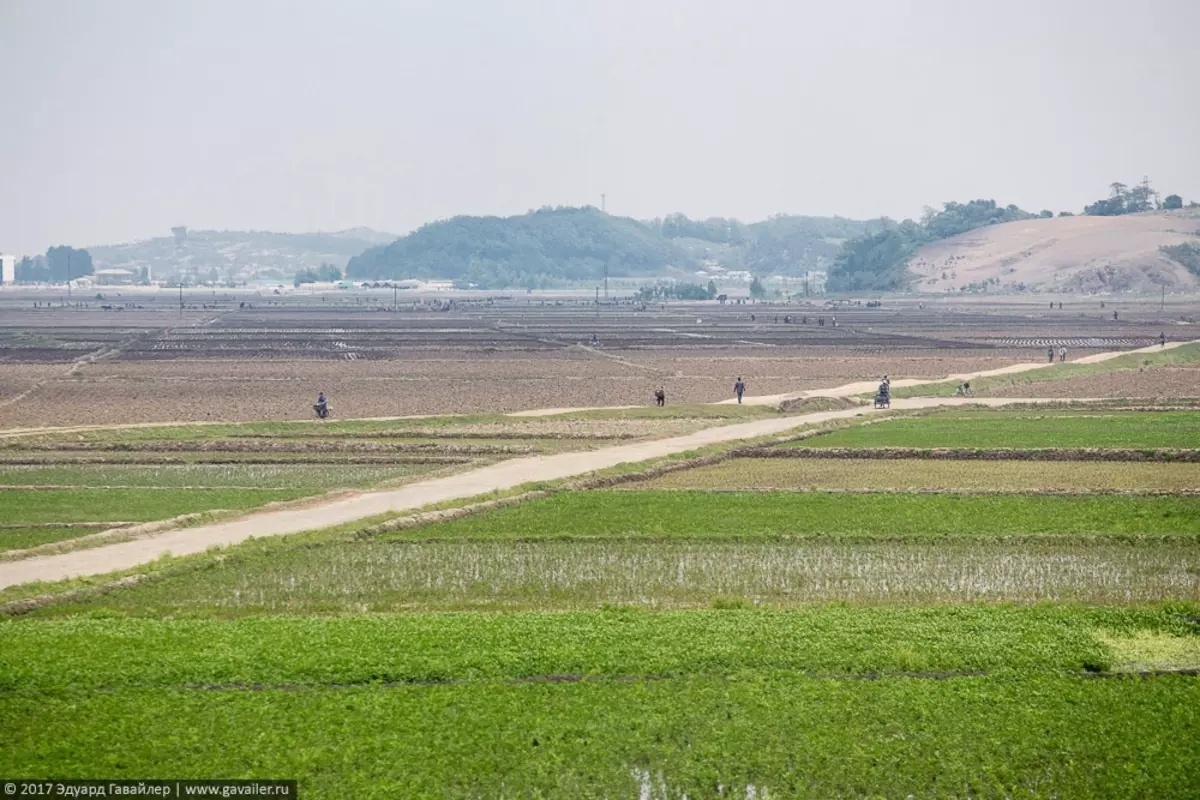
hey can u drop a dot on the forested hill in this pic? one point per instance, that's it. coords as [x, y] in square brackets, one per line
[780, 245]
[532, 250]
[550, 246]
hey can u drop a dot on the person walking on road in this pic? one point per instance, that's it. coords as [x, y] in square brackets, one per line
[1162, 339]
[1062, 354]
[739, 389]
[1050, 353]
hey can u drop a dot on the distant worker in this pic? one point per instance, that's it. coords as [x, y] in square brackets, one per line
[739, 389]
[1162, 339]
[321, 406]
[660, 397]
[964, 389]
[834, 321]
[1062, 354]
[1060, 306]
[1050, 353]
[1114, 315]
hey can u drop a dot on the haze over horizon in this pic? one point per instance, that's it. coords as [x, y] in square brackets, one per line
[124, 118]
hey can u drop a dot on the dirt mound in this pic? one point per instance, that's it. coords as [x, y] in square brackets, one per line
[1117, 254]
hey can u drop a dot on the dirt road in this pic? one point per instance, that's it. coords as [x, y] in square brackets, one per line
[505, 475]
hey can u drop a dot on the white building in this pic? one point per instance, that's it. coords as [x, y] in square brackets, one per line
[8, 269]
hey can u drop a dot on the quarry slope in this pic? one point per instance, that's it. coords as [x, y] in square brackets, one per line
[1118, 254]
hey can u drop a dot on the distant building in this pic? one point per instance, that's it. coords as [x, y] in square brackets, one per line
[180, 233]
[113, 277]
[8, 269]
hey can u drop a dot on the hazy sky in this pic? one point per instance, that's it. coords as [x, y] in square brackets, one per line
[121, 118]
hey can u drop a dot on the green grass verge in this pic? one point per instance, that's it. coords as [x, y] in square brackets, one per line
[750, 516]
[32, 536]
[35, 506]
[1023, 429]
[1186, 354]
[731, 411]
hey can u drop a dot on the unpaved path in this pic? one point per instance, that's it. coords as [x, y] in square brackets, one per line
[505, 475]
[863, 387]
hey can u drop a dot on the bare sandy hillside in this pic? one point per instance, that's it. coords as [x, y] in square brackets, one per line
[1117, 254]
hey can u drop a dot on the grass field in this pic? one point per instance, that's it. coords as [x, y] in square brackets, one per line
[657, 640]
[777, 736]
[316, 477]
[33, 506]
[377, 577]
[1015, 476]
[984, 429]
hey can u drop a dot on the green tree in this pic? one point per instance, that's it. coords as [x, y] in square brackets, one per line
[1046, 214]
[756, 288]
[1172, 202]
[67, 263]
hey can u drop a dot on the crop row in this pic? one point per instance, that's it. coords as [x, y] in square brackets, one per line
[379, 576]
[766, 516]
[931, 474]
[1023, 430]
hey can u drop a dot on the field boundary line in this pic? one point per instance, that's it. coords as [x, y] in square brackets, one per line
[928, 490]
[1158, 455]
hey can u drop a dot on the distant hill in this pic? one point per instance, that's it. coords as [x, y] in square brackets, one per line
[1083, 253]
[780, 245]
[240, 255]
[529, 251]
[550, 246]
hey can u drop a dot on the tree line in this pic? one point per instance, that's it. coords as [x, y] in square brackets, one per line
[59, 265]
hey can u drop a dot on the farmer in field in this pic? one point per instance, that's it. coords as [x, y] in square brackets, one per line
[964, 389]
[739, 389]
[1062, 353]
[321, 406]
[1050, 353]
[1162, 339]
[660, 396]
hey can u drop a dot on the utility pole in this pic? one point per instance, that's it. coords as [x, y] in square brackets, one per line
[597, 302]
[395, 298]
[1163, 303]
[68, 278]
[181, 295]
[606, 283]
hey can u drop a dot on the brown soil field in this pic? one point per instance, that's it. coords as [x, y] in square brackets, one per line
[268, 361]
[111, 392]
[1151, 382]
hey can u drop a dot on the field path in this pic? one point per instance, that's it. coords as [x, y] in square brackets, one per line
[504, 475]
